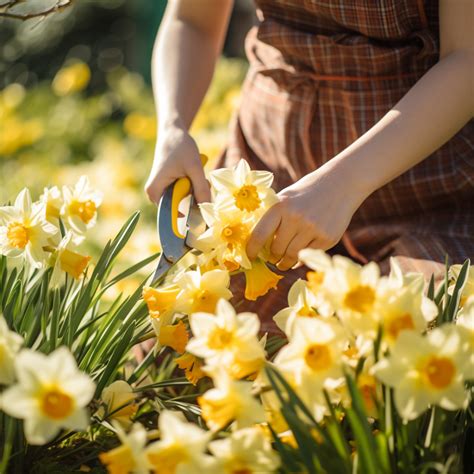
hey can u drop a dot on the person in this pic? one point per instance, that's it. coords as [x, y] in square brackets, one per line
[362, 110]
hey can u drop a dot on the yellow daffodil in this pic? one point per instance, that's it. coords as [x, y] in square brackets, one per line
[52, 201]
[79, 210]
[315, 349]
[201, 292]
[426, 370]
[301, 304]
[24, 232]
[243, 189]
[192, 367]
[227, 339]
[72, 78]
[226, 237]
[181, 448]
[245, 451]
[140, 126]
[129, 457]
[348, 288]
[160, 300]
[119, 401]
[65, 260]
[10, 343]
[230, 401]
[51, 393]
[399, 309]
[259, 280]
[175, 336]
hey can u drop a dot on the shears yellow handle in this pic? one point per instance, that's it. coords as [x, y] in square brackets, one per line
[181, 189]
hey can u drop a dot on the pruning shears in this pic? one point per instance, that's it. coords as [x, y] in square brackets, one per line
[174, 243]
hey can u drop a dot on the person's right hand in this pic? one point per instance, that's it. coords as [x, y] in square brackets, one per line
[176, 155]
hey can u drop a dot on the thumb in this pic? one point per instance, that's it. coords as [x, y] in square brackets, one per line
[201, 189]
[263, 231]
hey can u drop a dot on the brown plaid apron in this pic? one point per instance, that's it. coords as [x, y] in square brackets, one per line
[321, 74]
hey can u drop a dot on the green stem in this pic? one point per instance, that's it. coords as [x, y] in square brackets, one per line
[8, 444]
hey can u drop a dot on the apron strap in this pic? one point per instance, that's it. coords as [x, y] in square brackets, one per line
[421, 11]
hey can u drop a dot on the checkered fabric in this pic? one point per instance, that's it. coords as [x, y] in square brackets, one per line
[322, 72]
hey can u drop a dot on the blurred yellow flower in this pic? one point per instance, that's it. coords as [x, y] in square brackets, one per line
[51, 394]
[10, 343]
[426, 370]
[175, 336]
[16, 133]
[192, 367]
[70, 79]
[230, 400]
[181, 447]
[119, 399]
[140, 126]
[129, 457]
[245, 451]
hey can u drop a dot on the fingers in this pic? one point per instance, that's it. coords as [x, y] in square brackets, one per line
[201, 189]
[283, 236]
[300, 241]
[155, 188]
[263, 231]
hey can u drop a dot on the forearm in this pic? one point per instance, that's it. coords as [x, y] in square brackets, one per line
[438, 106]
[183, 63]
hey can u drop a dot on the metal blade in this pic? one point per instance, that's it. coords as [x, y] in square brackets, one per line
[195, 224]
[163, 266]
[173, 246]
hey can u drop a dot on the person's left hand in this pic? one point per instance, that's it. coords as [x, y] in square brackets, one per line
[314, 212]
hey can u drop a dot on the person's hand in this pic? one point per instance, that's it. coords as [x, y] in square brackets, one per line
[176, 155]
[314, 212]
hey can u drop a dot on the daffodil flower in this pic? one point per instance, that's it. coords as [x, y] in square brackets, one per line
[245, 451]
[129, 456]
[243, 189]
[426, 370]
[10, 343]
[230, 401]
[227, 339]
[24, 232]
[51, 393]
[79, 210]
[181, 448]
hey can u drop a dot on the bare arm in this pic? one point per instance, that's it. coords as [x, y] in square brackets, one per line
[439, 104]
[187, 46]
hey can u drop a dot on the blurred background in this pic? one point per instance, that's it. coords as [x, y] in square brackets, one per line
[75, 98]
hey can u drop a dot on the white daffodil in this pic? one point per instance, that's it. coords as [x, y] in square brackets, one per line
[245, 451]
[201, 291]
[426, 370]
[52, 202]
[400, 308]
[230, 400]
[79, 210]
[181, 447]
[129, 457]
[24, 231]
[349, 288]
[51, 393]
[226, 237]
[65, 260]
[315, 350]
[119, 401]
[465, 324]
[227, 339]
[243, 189]
[10, 343]
[301, 303]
